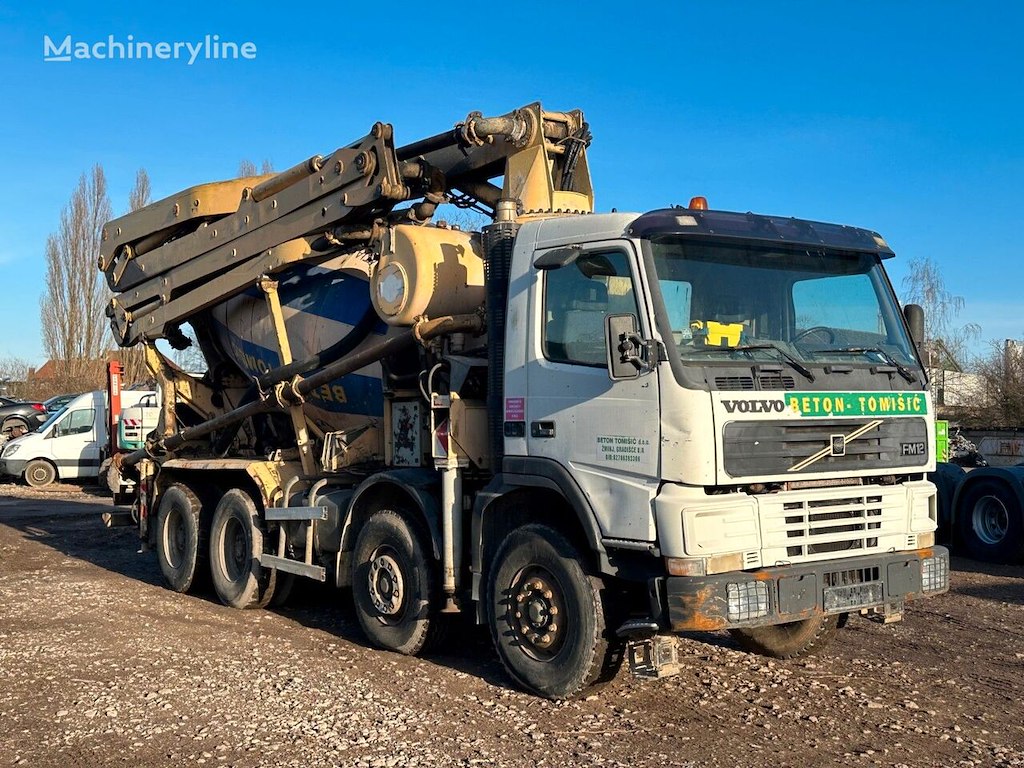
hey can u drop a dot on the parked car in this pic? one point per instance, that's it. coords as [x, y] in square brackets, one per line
[72, 442]
[18, 417]
[57, 402]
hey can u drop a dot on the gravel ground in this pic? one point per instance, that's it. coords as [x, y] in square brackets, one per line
[100, 665]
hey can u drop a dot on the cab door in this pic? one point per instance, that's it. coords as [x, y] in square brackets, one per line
[605, 433]
[74, 445]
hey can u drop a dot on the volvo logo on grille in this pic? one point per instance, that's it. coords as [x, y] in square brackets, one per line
[754, 406]
[836, 445]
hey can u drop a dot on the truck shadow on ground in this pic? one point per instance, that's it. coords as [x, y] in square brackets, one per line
[1003, 593]
[988, 569]
[74, 529]
[330, 610]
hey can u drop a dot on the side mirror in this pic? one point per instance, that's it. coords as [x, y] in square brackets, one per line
[914, 315]
[628, 354]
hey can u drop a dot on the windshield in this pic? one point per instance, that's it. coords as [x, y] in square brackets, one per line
[52, 418]
[817, 306]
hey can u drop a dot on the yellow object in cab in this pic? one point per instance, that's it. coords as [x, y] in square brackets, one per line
[718, 334]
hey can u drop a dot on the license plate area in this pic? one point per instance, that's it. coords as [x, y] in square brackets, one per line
[841, 599]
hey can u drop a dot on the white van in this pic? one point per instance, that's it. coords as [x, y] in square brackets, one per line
[70, 444]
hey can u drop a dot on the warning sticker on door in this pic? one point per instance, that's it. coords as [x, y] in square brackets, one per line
[515, 409]
[622, 449]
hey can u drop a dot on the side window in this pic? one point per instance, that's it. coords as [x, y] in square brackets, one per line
[77, 422]
[577, 298]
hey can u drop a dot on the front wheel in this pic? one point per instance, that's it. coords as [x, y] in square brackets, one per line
[395, 584]
[791, 640]
[990, 522]
[39, 473]
[546, 615]
[236, 545]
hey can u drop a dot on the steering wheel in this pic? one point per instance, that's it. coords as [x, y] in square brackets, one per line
[825, 332]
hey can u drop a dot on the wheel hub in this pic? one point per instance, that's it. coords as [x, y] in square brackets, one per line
[990, 520]
[387, 587]
[537, 611]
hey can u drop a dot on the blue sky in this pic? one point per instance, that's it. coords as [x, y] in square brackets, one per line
[906, 118]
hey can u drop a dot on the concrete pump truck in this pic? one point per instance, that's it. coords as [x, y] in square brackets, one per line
[588, 431]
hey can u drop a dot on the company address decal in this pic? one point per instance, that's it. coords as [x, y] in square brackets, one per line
[835, 404]
[623, 448]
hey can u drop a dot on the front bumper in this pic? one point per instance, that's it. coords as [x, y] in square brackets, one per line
[791, 593]
[12, 467]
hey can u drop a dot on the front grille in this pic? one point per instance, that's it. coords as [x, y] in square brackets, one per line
[734, 383]
[746, 383]
[775, 381]
[850, 578]
[758, 448]
[831, 523]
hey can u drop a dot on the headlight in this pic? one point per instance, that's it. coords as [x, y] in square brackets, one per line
[10, 450]
[747, 600]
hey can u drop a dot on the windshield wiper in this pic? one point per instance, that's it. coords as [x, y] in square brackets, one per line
[797, 365]
[886, 358]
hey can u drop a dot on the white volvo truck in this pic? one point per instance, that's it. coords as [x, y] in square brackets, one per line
[585, 430]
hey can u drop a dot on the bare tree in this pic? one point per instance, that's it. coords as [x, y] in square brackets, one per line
[133, 359]
[140, 195]
[190, 358]
[75, 331]
[467, 219]
[947, 344]
[13, 375]
[1000, 388]
[247, 167]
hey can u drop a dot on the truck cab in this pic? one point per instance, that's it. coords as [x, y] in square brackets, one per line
[737, 394]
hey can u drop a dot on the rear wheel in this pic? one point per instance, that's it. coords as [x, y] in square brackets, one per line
[179, 537]
[547, 617]
[40, 473]
[395, 583]
[990, 522]
[236, 544]
[790, 640]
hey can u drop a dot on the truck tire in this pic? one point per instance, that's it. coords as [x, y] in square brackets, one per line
[395, 583]
[791, 640]
[547, 617]
[236, 544]
[39, 473]
[180, 546]
[990, 522]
